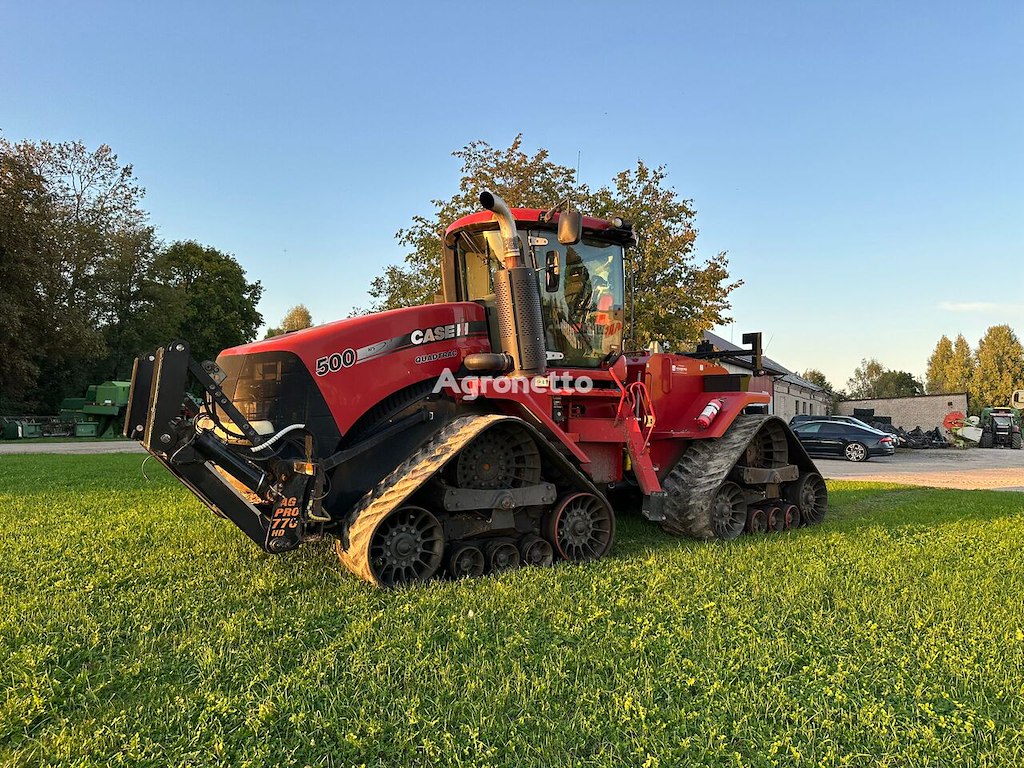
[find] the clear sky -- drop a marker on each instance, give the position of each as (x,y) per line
(862,163)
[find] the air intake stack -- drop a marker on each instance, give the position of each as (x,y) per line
(517,298)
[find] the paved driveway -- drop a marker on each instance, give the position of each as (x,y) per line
(999,468)
(81,446)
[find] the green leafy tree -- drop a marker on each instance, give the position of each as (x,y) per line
(86,284)
(24,249)
(297,318)
(676,296)
(961,366)
(522,180)
(897,384)
(939,367)
(136,312)
(815,376)
(211,300)
(999,367)
(865,376)
(91,201)
(871,379)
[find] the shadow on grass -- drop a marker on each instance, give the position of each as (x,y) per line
(852,506)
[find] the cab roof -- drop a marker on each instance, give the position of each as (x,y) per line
(523,216)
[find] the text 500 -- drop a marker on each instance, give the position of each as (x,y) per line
(335,362)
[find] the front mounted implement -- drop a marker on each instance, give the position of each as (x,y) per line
(268,486)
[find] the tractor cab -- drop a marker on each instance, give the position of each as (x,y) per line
(579,278)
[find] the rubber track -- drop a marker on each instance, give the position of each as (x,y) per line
(412,473)
(692,483)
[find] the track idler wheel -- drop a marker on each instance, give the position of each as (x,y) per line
(536,551)
(776,519)
(407,547)
(501,555)
(809,494)
(466,561)
(728,512)
(757,520)
(792,513)
(582,527)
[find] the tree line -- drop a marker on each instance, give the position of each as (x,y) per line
(989,373)
(86,283)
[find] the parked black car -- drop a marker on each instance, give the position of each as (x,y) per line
(804,418)
(836,438)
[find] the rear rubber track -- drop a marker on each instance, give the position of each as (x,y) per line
(692,483)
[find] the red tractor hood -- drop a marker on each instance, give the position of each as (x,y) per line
(358,362)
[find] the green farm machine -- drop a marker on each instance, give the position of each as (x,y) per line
(1001,428)
(99,414)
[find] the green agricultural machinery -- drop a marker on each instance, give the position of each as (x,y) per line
(1001,428)
(99,414)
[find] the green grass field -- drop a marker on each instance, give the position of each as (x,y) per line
(137,629)
(63,439)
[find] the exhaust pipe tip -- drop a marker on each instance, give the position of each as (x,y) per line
(487,200)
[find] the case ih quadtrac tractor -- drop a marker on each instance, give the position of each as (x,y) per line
(482,432)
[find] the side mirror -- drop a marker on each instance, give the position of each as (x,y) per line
(551,271)
(570,227)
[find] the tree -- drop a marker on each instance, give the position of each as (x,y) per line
(961,366)
(136,312)
(815,376)
(950,367)
(86,284)
(1000,367)
(897,384)
(24,211)
(295,319)
(939,365)
(676,298)
(85,200)
(865,376)
(871,379)
(211,300)
(521,180)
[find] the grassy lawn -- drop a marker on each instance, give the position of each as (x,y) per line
(64,439)
(137,629)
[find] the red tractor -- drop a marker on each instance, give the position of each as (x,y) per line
(482,432)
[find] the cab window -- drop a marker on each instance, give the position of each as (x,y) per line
(583,315)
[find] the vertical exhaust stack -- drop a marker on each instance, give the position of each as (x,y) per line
(517,297)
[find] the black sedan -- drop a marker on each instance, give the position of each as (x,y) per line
(834,438)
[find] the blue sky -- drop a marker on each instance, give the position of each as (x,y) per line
(862,163)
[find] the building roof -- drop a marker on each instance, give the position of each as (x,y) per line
(792,378)
(771,367)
